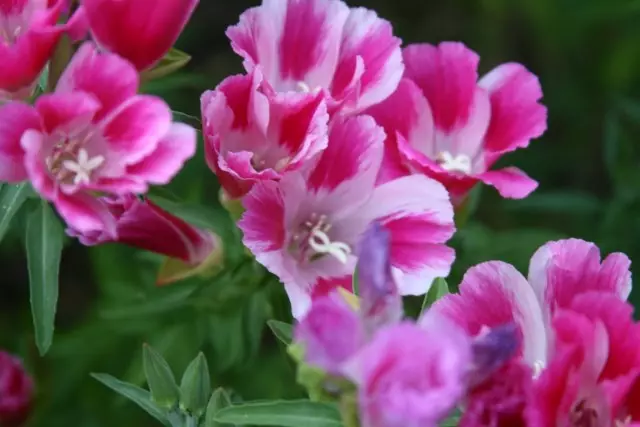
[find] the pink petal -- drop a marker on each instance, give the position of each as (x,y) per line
(15,119)
(352,158)
(173,150)
(563,269)
(108,77)
(370,38)
(495,293)
(135,128)
(418,214)
(86,213)
(263,221)
(67,112)
(34,144)
(516,115)
(141,31)
(447,75)
(510,182)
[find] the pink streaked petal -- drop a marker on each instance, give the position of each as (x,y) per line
(86,214)
(516,115)
(325,287)
(239,165)
(233,186)
(173,150)
(253,39)
(33,144)
(447,75)
(560,270)
(493,294)
(419,216)
(135,128)
(352,158)
(263,221)
(393,166)
(15,119)
(299,298)
(510,182)
(77,26)
(120,185)
(111,79)
(615,275)
(468,138)
(367,36)
(64,112)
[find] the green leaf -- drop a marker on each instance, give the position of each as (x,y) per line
(438,289)
(295,413)
(137,395)
(172,62)
(559,202)
(162,383)
(44,249)
(219,400)
(11,199)
(195,387)
(282,331)
(355,286)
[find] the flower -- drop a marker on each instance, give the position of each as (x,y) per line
(28,36)
(252,136)
(558,272)
(330,332)
(142,224)
(321,45)
(592,377)
(16,391)
(94,134)
(304,228)
(444,123)
(141,31)
(411,375)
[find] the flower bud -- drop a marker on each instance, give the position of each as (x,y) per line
(16,391)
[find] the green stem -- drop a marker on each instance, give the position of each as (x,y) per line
(191,421)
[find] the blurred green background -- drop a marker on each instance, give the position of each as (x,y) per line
(587,55)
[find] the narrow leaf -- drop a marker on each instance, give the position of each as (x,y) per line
(137,395)
(282,413)
(282,331)
(195,387)
(219,400)
(11,199)
(172,62)
(438,289)
(44,249)
(162,383)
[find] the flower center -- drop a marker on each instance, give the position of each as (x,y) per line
(313,242)
(305,88)
(460,163)
(71,164)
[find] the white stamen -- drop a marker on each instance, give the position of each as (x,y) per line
(460,163)
(305,88)
(83,166)
(538,366)
(322,244)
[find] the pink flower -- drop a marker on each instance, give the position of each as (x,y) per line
(141,31)
(304,228)
(442,122)
(253,136)
(592,378)
(321,45)
(16,391)
(94,134)
(330,332)
(412,375)
(142,224)
(559,271)
(28,36)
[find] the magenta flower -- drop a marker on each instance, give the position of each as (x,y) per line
(444,123)
(331,333)
(592,377)
(16,391)
(142,224)
(28,35)
(559,271)
(94,134)
(412,375)
(304,228)
(321,45)
(253,136)
(141,31)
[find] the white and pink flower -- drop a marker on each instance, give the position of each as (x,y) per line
(305,227)
(350,54)
(442,122)
(93,135)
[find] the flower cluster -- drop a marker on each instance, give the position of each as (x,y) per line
(335,125)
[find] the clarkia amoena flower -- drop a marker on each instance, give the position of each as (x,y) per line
(16,391)
(304,228)
(441,121)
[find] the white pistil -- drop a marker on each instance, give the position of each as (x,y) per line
(83,166)
(460,163)
(538,366)
(305,88)
(322,244)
